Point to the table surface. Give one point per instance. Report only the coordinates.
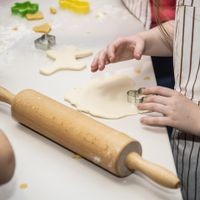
(48, 170)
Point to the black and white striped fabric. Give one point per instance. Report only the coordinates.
(141, 9)
(186, 147)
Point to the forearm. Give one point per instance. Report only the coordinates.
(156, 43)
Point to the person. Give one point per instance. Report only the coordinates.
(7, 159)
(145, 11)
(179, 107)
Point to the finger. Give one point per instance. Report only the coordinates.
(102, 60)
(95, 62)
(139, 48)
(94, 65)
(158, 90)
(112, 48)
(156, 99)
(155, 121)
(111, 52)
(154, 107)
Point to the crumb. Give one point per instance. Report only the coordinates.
(52, 10)
(15, 29)
(137, 70)
(100, 15)
(147, 78)
(76, 156)
(23, 186)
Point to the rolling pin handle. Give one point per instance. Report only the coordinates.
(155, 172)
(6, 96)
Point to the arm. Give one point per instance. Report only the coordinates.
(7, 159)
(151, 42)
(156, 43)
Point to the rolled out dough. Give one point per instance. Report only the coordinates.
(104, 97)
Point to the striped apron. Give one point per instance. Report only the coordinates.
(186, 147)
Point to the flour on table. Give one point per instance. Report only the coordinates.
(65, 59)
(104, 12)
(104, 97)
(11, 34)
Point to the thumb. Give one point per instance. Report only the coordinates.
(139, 48)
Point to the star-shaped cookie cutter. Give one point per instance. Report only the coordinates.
(77, 6)
(45, 42)
(135, 96)
(24, 8)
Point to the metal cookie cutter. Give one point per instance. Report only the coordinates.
(135, 96)
(45, 42)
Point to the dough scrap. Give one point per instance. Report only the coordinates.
(104, 97)
(36, 16)
(43, 28)
(65, 59)
(53, 10)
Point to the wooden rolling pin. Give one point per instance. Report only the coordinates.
(104, 146)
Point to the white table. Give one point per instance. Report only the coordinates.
(50, 171)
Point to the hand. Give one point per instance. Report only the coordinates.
(178, 111)
(124, 48)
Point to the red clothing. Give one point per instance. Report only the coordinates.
(166, 11)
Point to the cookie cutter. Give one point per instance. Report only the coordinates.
(135, 96)
(24, 8)
(45, 42)
(77, 6)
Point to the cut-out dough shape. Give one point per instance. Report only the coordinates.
(36, 16)
(104, 97)
(43, 28)
(65, 59)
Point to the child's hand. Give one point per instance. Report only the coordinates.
(178, 111)
(124, 48)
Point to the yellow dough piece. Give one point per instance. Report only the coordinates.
(147, 78)
(43, 28)
(23, 186)
(36, 16)
(53, 10)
